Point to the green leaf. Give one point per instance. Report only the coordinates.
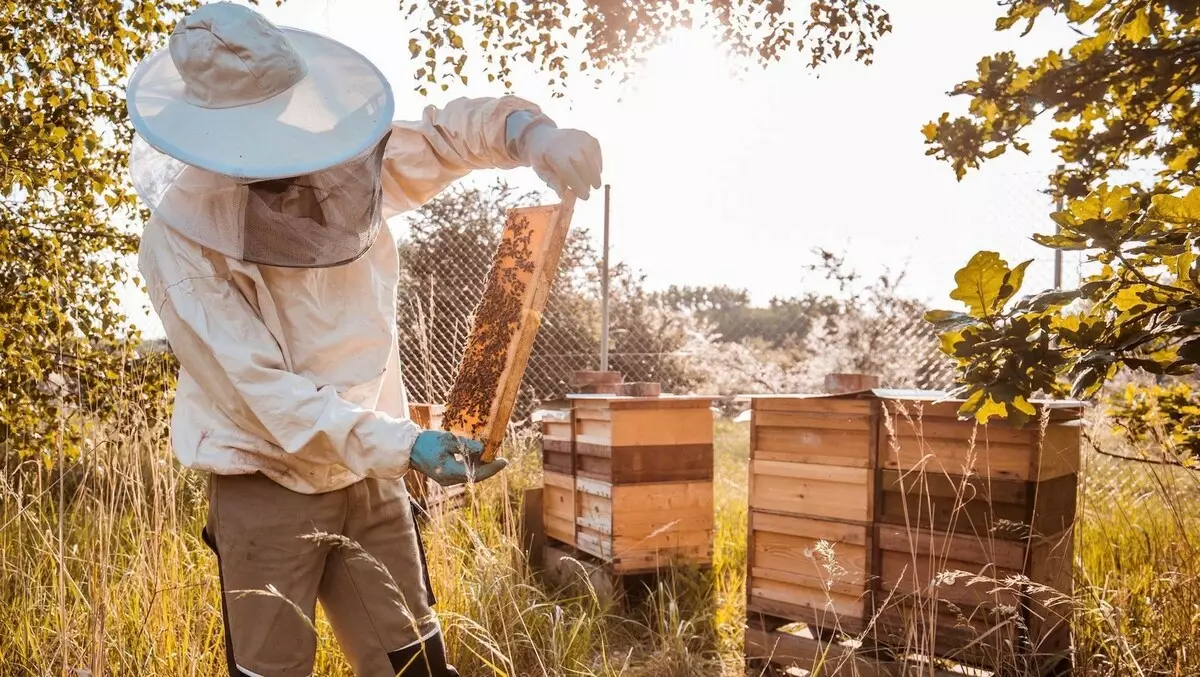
(980, 283)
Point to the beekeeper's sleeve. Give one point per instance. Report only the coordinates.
(224, 346)
(446, 144)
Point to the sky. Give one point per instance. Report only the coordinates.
(731, 180)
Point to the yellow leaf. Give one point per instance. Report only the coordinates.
(930, 131)
(58, 134)
(1137, 29)
(1127, 298)
(1021, 82)
(949, 340)
(979, 283)
(1174, 209)
(1089, 46)
(1185, 157)
(1022, 405)
(991, 408)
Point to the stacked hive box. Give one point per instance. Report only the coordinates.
(629, 479)
(907, 494)
(811, 462)
(427, 493)
(996, 503)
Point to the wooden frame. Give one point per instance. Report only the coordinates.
(506, 322)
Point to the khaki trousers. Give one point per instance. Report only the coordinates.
(357, 550)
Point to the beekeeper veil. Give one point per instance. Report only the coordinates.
(262, 143)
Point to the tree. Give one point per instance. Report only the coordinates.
(1125, 93)
(64, 346)
(592, 37)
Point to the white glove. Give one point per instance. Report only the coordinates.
(566, 159)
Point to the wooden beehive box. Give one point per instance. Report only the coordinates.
(427, 493)
(811, 469)
(925, 514)
(637, 491)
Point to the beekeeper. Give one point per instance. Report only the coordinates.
(270, 161)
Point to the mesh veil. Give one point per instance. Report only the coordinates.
(318, 220)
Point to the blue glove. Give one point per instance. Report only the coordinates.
(566, 159)
(436, 455)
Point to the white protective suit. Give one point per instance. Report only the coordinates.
(295, 372)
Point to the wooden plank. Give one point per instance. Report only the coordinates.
(662, 539)
(821, 657)
(558, 506)
(594, 487)
(1060, 451)
(809, 445)
(816, 581)
(533, 527)
(816, 420)
(591, 378)
(787, 553)
(556, 430)
(813, 529)
(1006, 555)
(817, 491)
(506, 321)
(810, 404)
(665, 497)
(812, 602)
(594, 543)
(646, 561)
(907, 452)
(966, 584)
(820, 618)
(650, 427)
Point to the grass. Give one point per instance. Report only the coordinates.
(102, 573)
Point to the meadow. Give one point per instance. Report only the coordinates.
(102, 572)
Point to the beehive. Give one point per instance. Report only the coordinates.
(811, 468)
(427, 493)
(637, 491)
(907, 495)
(505, 324)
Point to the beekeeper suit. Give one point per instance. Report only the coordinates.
(269, 160)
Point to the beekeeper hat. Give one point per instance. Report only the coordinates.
(236, 95)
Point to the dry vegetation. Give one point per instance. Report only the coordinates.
(102, 573)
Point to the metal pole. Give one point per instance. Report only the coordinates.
(1058, 257)
(604, 287)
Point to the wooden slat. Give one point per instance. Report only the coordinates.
(817, 581)
(644, 561)
(816, 420)
(1001, 461)
(817, 491)
(661, 427)
(1060, 453)
(1007, 555)
(668, 539)
(798, 554)
(665, 497)
(813, 529)
(562, 481)
(811, 404)
(481, 400)
(828, 601)
(810, 445)
(817, 656)
(594, 487)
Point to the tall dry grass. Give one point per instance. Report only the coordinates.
(102, 573)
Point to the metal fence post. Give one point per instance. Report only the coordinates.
(604, 286)
(1058, 255)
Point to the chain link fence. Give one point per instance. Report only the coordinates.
(691, 340)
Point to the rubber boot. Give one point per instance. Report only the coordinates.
(427, 659)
